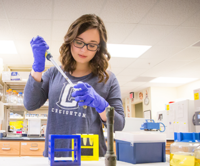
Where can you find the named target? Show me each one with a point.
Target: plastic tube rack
(76, 150)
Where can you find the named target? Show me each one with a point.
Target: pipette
(50, 58)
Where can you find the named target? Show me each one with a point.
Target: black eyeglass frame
(98, 46)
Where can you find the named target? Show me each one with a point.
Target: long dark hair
(99, 63)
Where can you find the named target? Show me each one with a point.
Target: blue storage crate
(140, 152)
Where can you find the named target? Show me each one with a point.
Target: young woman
(84, 57)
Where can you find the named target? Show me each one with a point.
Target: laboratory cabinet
(22, 148)
(8, 148)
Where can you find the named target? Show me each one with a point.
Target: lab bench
(43, 161)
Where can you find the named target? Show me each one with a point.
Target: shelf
(12, 104)
(17, 118)
(15, 82)
(42, 118)
(22, 105)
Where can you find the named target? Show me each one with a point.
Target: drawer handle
(34, 148)
(5, 148)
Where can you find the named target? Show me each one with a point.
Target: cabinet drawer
(9, 148)
(32, 148)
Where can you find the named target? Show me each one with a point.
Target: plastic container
(140, 147)
(182, 151)
(197, 156)
(14, 96)
(20, 98)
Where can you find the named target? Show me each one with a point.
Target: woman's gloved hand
(89, 97)
(39, 47)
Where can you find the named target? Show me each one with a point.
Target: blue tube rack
(76, 149)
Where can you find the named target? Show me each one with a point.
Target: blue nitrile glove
(39, 47)
(89, 97)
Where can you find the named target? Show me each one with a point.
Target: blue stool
(76, 158)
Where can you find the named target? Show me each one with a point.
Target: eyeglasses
(81, 44)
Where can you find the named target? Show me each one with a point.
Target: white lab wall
(159, 97)
(186, 91)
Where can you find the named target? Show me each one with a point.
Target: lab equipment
(94, 145)
(182, 150)
(76, 149)
(149, 126)
(196, 116)
(110, 157)
(50, 58)
(180, 117)
(140, 147)
(34, 127)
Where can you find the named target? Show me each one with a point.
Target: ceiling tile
(116, 70)
(153, 72)
(191, 54)
(125, 78)
(60, 29)
(2, 11)
(162, 69)
(126, 11)
(142, 79)
(27, 29)
(31, 9)
(133, 84)
(181, 37)
(144, 63)
(5, 30)
(160, 52)
(55, 47)
(171, 12)
(193, 21)
(132, 72)
(121, 62)
(148, 34)
(70, 10)
(122, 31)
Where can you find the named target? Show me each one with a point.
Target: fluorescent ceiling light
(173, 80)
(7, 47)
(126, 51)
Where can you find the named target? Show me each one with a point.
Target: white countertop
(43, 161)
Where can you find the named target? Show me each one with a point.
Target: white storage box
(141, 136)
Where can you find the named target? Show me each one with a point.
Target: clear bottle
(20, 98)
(197, 156)
(182, 151)
(14, 98)
(10, 96)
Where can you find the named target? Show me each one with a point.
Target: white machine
(34, 127)
(196, 116)
(180, 117)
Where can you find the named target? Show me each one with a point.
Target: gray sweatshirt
(64, 114)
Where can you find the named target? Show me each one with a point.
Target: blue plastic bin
(136, 153)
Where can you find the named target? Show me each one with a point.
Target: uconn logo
(66, 101)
